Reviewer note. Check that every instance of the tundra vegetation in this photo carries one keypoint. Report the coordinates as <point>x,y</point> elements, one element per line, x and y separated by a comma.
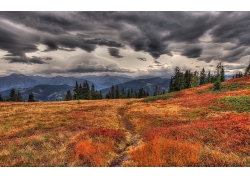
<point>192,127</point>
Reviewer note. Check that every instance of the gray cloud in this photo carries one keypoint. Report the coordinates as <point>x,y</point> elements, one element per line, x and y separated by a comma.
<point>192,34</point>
<point>192,52</point>
<point>25,60</point>
<point>142,59</point>
<point>114,52</point>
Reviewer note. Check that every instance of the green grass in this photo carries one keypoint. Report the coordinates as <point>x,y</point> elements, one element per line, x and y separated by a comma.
<point>234,86</point>
<point>232,103</point>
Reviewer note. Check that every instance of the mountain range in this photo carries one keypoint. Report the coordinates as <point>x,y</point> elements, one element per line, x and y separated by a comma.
<point>55,88</point>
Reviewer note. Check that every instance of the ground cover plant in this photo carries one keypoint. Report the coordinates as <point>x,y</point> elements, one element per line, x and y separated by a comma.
<point>193,127</point>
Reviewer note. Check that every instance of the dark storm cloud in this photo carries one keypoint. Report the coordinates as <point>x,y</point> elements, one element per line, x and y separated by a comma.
<point>114,52</point>
<point>25,60</point>
<point>16,41</point>
<point>193,52</point>
<point>103,42</point>
<point>142,59</point>
<point>150,32</point>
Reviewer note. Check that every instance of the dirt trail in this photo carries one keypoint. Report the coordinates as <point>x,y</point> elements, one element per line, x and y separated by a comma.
<point>123,155</point>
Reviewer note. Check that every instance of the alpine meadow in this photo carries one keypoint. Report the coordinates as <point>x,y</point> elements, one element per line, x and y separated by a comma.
<point>124,89</point>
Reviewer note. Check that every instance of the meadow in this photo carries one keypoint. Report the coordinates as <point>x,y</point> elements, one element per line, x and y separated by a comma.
<point>193,127</point>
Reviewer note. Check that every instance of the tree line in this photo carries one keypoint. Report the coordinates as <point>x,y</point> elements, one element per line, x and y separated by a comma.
<point>190,79</point>
<point>83,92</point>
<point>115,93</point>
<point>17,97</point>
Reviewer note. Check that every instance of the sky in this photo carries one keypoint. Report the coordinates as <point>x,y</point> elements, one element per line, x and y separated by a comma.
<point>129,43</point>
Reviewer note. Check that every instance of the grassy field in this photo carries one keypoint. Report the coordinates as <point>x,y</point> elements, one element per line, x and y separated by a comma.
<point>193,127</point>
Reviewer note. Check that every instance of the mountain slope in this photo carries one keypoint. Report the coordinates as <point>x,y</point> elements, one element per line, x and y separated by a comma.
<point>147,84</point>
<point>43,92</point>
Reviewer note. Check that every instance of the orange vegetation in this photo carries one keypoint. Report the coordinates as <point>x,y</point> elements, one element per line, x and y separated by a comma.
<point>193,127</point>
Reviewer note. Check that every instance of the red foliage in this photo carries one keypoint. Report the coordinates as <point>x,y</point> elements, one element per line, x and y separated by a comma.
<point>230,132</point>
<point>113,134</point>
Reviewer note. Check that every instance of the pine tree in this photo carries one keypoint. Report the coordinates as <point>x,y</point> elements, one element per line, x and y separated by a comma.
<point>68,96</point>
<point>117,92</point>
<point>202,77</point>
<point>128,94</point>
<point>187,79</point>
<point>217,84</point>
<point>13,95</point>
<point>209,78</point>
<point>1,98</point>
<point>222,74</point>
<point>100,95</point>
<point>194,79</point>
<point>112,93</point>
<point>157,91</point>
<point>171,85</point>
<point>93,92</point>
<point>31,98</point>
<point>76,91</point>
<point>247,70</point>
<point>19,97</point>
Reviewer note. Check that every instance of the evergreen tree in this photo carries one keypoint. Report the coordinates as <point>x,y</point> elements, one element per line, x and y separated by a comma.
<point>76,92</point>
<point>117,93</point>
<point>100,97</point>
<point>157,91</point>
<point>13,95</point>
<point>187,79</point>
<point>202,77</point>
<point>209,78</point>
<point>194,79</point>
<point>128,94</point>
<point>112,93</point>
<point>247,70</point>
<point>19,97</point>
<point>94,94</point>
<point>1,98</point>
<point>222,74</point>
<point>68,96</point>
<point>171,85</point>
<point>31,98</point>
<point>217,84</point>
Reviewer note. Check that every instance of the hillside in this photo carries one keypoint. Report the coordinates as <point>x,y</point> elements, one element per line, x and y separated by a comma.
<point>43,92</point>
<point>147,84</point>
<point>20,81</point>
<point>193,127</point>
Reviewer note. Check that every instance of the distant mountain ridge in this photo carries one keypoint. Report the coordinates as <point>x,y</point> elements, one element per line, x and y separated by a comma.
<point>55,88</point>
<point>20,81</point>
<point>147,84</point>
<point>43,92</point>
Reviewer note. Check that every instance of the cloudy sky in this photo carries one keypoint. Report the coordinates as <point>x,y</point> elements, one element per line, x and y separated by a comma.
<point>132,43</point>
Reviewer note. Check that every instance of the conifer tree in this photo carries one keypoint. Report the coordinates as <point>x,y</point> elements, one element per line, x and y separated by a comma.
<point>76,92</point>
<point>112,93</point>
<point>68,96</point>
<point>1,98</point>
<point>117,92</point>
<point>13,95</point>
<point>31,98</point>
<point>222,74</point>
<point>128,94</point>
<point>19,97</point>
<point>247,70</point>
<point>208,78</point>
<point>217,84</point>
<point>202,77</point>
<point>100,95</point>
